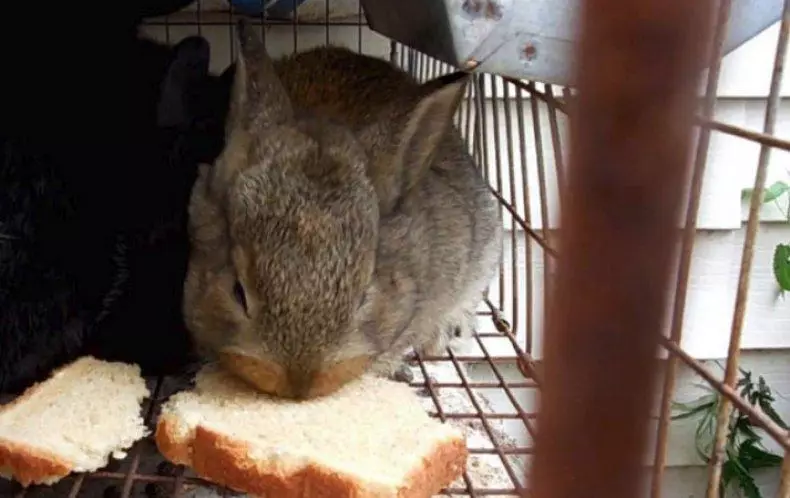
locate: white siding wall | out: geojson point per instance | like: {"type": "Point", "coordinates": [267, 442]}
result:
{"type": "Point", "coordinates": [685, 476]}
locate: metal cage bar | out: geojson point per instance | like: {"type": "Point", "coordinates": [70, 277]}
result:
{"type": "Point", "coordinates": [784, 485]}
{"type": "Point", "coordinates": [687, 245]}
{"type": "Point", "coordinates": [623, 193]}
{"type": "Point", "coordinates": [733, 352]}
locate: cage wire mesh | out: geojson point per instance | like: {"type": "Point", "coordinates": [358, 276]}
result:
{"type": "Point", "coordinates": [516, 132]}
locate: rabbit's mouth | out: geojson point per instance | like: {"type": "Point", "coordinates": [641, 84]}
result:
{"type": "Point", "coordinates": [297, 383]}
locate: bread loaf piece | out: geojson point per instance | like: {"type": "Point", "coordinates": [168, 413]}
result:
{"type": "Point", "coordinates": [72, 422]}
{"type": "Point", "coordinates": [370, 439]}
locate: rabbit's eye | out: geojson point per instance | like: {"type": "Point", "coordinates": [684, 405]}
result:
{"type": "Point", "coordinates": [362, 300]}
{"type": "Point", "coordinates": [238, 293]}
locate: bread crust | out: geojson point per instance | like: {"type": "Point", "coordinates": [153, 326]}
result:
{"type": "Point", "coordinates": [25, 464]}
{"type": "Point", "coordinates": [28, 465]}
{"type": "Point", "coordinates": [221, 460]}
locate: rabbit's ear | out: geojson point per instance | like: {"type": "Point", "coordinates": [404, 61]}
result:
{"type": "Point", "coordinates": [258, 98]}
{"type": "Point", "coordinates": [188, 68]}
{"type": "Point", "coordinates": [427, 125]}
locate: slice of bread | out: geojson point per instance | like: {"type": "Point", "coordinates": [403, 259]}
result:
{"type": "Point", "coordinates": [370, 439]}
{"type": "Point", "coordinates": [72, 422]}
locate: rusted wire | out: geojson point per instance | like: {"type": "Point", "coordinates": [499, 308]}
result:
{"type": "Point", "coordinates": [492, 416]}
{"type": "Point", "coordinates": [525, 417]}
{"type": "Point", "coordinates": [483, 385]}
{"type": "Point", "coordinates": [520, 221]}
{"type": "Point", "coordinates": [483, 417]}
{"type": "Point", "coordinates": [295, 26]}
{"type": "Point", "coordinates": [555, 141]}
{"type": "Point", "coordinates": [178, 483]}
{"type": "Point", "coordinates": [760, 138]}
{"type": "Point", "coordinates": [468, 127]}
{"type": "Point", "coordinates": [534, 92]}
{"type": "Point", "coordinates": [704, 120]}
{"type": "Point", "coordinates": [442, 417]}
{"type": "Point", "coordinates": [524, 360]}
{"type": "Point", "coordinates": [741, 297]}
{"type": "Point", "coordinates": [128, 481]}
{"type": "Point", "coordinates": [326, 23]}
{"type": "Point", "coordinates": [757, 417]}
{"type": "Point", "coordinates": [541, 166]}
{"type": "Point", "coordinates": [495, 118]}
{"type": "Point", "coordinates": [75, 488]}
{"type": "Point", "coordinates": [527, 220]}
{"type": "Point", "coordinates": [784, 484]}
{"type": "Point", "coordinates": [544, 240]}
{"type": "Point", "coordinates": [687, 247]}
{"type": "Point", "coordinates": [624, 192]}
{"type": "Point", "coordinates": [507, 103]}
{"type": "Point", "coordinates": [198, 17]}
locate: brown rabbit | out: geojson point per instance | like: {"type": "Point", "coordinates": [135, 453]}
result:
{"type": "Point", "coordinates": [343, 223]}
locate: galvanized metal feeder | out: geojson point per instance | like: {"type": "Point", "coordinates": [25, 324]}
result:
{"type": "Point", "coordinates": [525, 39]}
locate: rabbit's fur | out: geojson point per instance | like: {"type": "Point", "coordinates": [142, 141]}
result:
{"type": "Point", "coordinates": [343, 223]}
{"type": "Point", "coordinates": [93, 241]}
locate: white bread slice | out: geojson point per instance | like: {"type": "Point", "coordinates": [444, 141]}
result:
{"type": "Point", "coordinates": [370, 439]}
{"type": "Point", "coordinates": [72, 422]}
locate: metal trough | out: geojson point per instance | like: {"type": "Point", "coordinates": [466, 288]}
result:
{"type": "Point", "coordinates": [525, 39]}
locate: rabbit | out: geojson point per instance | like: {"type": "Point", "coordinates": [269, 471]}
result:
{"type": "Point", "coordinates": [93, 241]}
{"type": "Point", "coordinates": [343, 223]}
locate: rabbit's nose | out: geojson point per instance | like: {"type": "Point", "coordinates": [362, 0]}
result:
{"type": "Point", "coordinates": [296, 382]}
{"type": "Point", "coordinates": [265, 376]}
{"type": "Point", "coordinates": [331, 377]}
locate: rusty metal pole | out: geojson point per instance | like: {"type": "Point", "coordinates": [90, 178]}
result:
{"type": "Point", "coordinates": [637, 73]}
{"type": "Point", "coordinates": [784, 483]}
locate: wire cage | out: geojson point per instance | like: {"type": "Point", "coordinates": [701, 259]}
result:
{"type": "Point", "coordinates": [517, 133]}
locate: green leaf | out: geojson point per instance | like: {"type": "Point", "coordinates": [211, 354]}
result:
{"type": "Point", "coordinates": [775, 191]}
{"type": "Point", "coordinates": [691, 409]}
{"type": "Point", "coordinates": [764, 391]}
{"type": "Point", "coordinates": [748, 486]}
{"type": "Point", "coordinates": [729, 471]}
{"type": "Point", "coordinates": [769, 194]}
{"type": "Point", "coordinates": [744, 426]}
{"type": "Point", "coordinates": [782, 266]}
{"type": "Point", "coordinates": [771, 413]}
{"type": "Point", "coordinates": [753, 457]}
{"type": "Point", "coordinates": [705, 387]}
{"type": "Point", "coordinates": [703, 436]}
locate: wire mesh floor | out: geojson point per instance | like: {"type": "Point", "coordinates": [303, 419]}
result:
{"type": "Point", "coordinates": [449, 388]}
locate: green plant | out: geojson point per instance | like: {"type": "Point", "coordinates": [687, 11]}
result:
{"type": "Point", "coordinates": [781, 263]}
{"type": "Point", "coordinates": [744, 451]}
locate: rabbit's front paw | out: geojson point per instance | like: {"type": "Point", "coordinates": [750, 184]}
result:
{"type": "Point", "coordinates": [403, 374]}
{"type": "Point", "coordinates": [437, 344]}
{"type": "Point", "coordinates": [396, 369]}
{"type": "Point", "coordinates": [464, 326]}
{"type": "Point", "coordinates": [456, 330]}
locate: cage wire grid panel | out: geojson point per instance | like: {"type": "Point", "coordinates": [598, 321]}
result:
{"type": "Point", "coordinates": [515, 131]}
{"type": "Point", "coordinates": [503, 147]}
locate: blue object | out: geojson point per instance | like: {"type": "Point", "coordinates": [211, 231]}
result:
{"type": "Point", "coordinates": [278, 9]}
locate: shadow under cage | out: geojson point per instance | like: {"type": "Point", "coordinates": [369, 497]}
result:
{"type": "Point", "coordinates": [517, 132]}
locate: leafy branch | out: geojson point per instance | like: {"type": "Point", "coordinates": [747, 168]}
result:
{"type": "Point", "coordinates": [744, 452]}
{"type": "Point", "coordinates": [781, 261]}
